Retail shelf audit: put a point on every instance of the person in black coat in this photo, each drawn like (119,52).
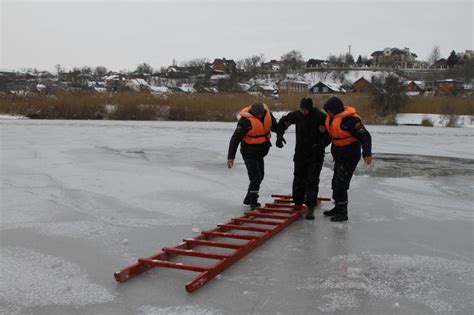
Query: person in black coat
(311,140)
(349,137)
(253,133)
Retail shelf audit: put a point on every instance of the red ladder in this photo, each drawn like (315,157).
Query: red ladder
(267,221)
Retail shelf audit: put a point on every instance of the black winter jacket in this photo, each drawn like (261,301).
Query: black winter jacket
(310,141)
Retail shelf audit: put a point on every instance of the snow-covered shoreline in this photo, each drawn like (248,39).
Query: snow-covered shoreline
(437,120)
(415,119)
(12,117)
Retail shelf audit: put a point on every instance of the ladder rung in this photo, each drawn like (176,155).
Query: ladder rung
(274,210)
(245,220)
(193,253)
(289,197)
(173,265)
(243,228)
(266,216)
(231,235)
(281,205)
(282,196)
(283,200)
(195,242)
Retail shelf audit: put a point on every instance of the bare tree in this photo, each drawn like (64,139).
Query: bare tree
(198,63)
(332,58)
(163,69)
(388,97)
(349,59)
(251,64)
(144,68)
(86,70)
(434,55)
(100,71)
(294,59)
(59,69)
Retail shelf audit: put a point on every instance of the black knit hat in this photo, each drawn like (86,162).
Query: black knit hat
(307,103)
(334,105)
(257,109)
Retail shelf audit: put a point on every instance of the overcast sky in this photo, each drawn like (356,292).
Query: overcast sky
(122,34)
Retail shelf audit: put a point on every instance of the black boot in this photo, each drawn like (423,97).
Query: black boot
(310,213)
(253,201)
(247,199)
(332,212)
(341,215)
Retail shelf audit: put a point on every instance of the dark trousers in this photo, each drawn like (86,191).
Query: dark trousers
(256,172)
(341,180)
(306,181)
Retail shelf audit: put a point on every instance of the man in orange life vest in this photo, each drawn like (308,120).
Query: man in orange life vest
(253,131)
(348,135)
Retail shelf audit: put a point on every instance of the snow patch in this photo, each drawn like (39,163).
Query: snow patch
(12,117)
(176,310)
(32,279)
(420,279)
(466,121)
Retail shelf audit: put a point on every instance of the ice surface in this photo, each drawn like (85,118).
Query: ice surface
(73,191)
(30,278)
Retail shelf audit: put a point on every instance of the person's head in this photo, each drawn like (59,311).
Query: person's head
(257,110)
(306,106)
(333,106)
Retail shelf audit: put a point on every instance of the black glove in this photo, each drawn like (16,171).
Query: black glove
(280,142)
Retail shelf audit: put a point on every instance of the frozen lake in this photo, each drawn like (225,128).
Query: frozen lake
(82,199)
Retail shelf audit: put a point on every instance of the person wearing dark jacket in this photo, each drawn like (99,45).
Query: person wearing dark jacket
(253,132)
(349,136)
(311,140)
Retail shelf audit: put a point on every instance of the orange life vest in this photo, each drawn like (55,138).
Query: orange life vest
(260,131)
(340,137)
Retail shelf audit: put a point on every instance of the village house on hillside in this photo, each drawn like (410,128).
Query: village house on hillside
(292,86)
(440,64)
(221,66)
(138,85)
(326,88)
(394,58)
(175,72)
(361,85)
(115,81)
(414,86)
(260,89)
(449,87)
(272,65)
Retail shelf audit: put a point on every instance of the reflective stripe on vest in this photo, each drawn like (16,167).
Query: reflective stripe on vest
(340,137)
(260,131)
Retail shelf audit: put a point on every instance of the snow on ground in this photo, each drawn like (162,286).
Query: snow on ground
(81,199)
(465,121)
(12,117)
